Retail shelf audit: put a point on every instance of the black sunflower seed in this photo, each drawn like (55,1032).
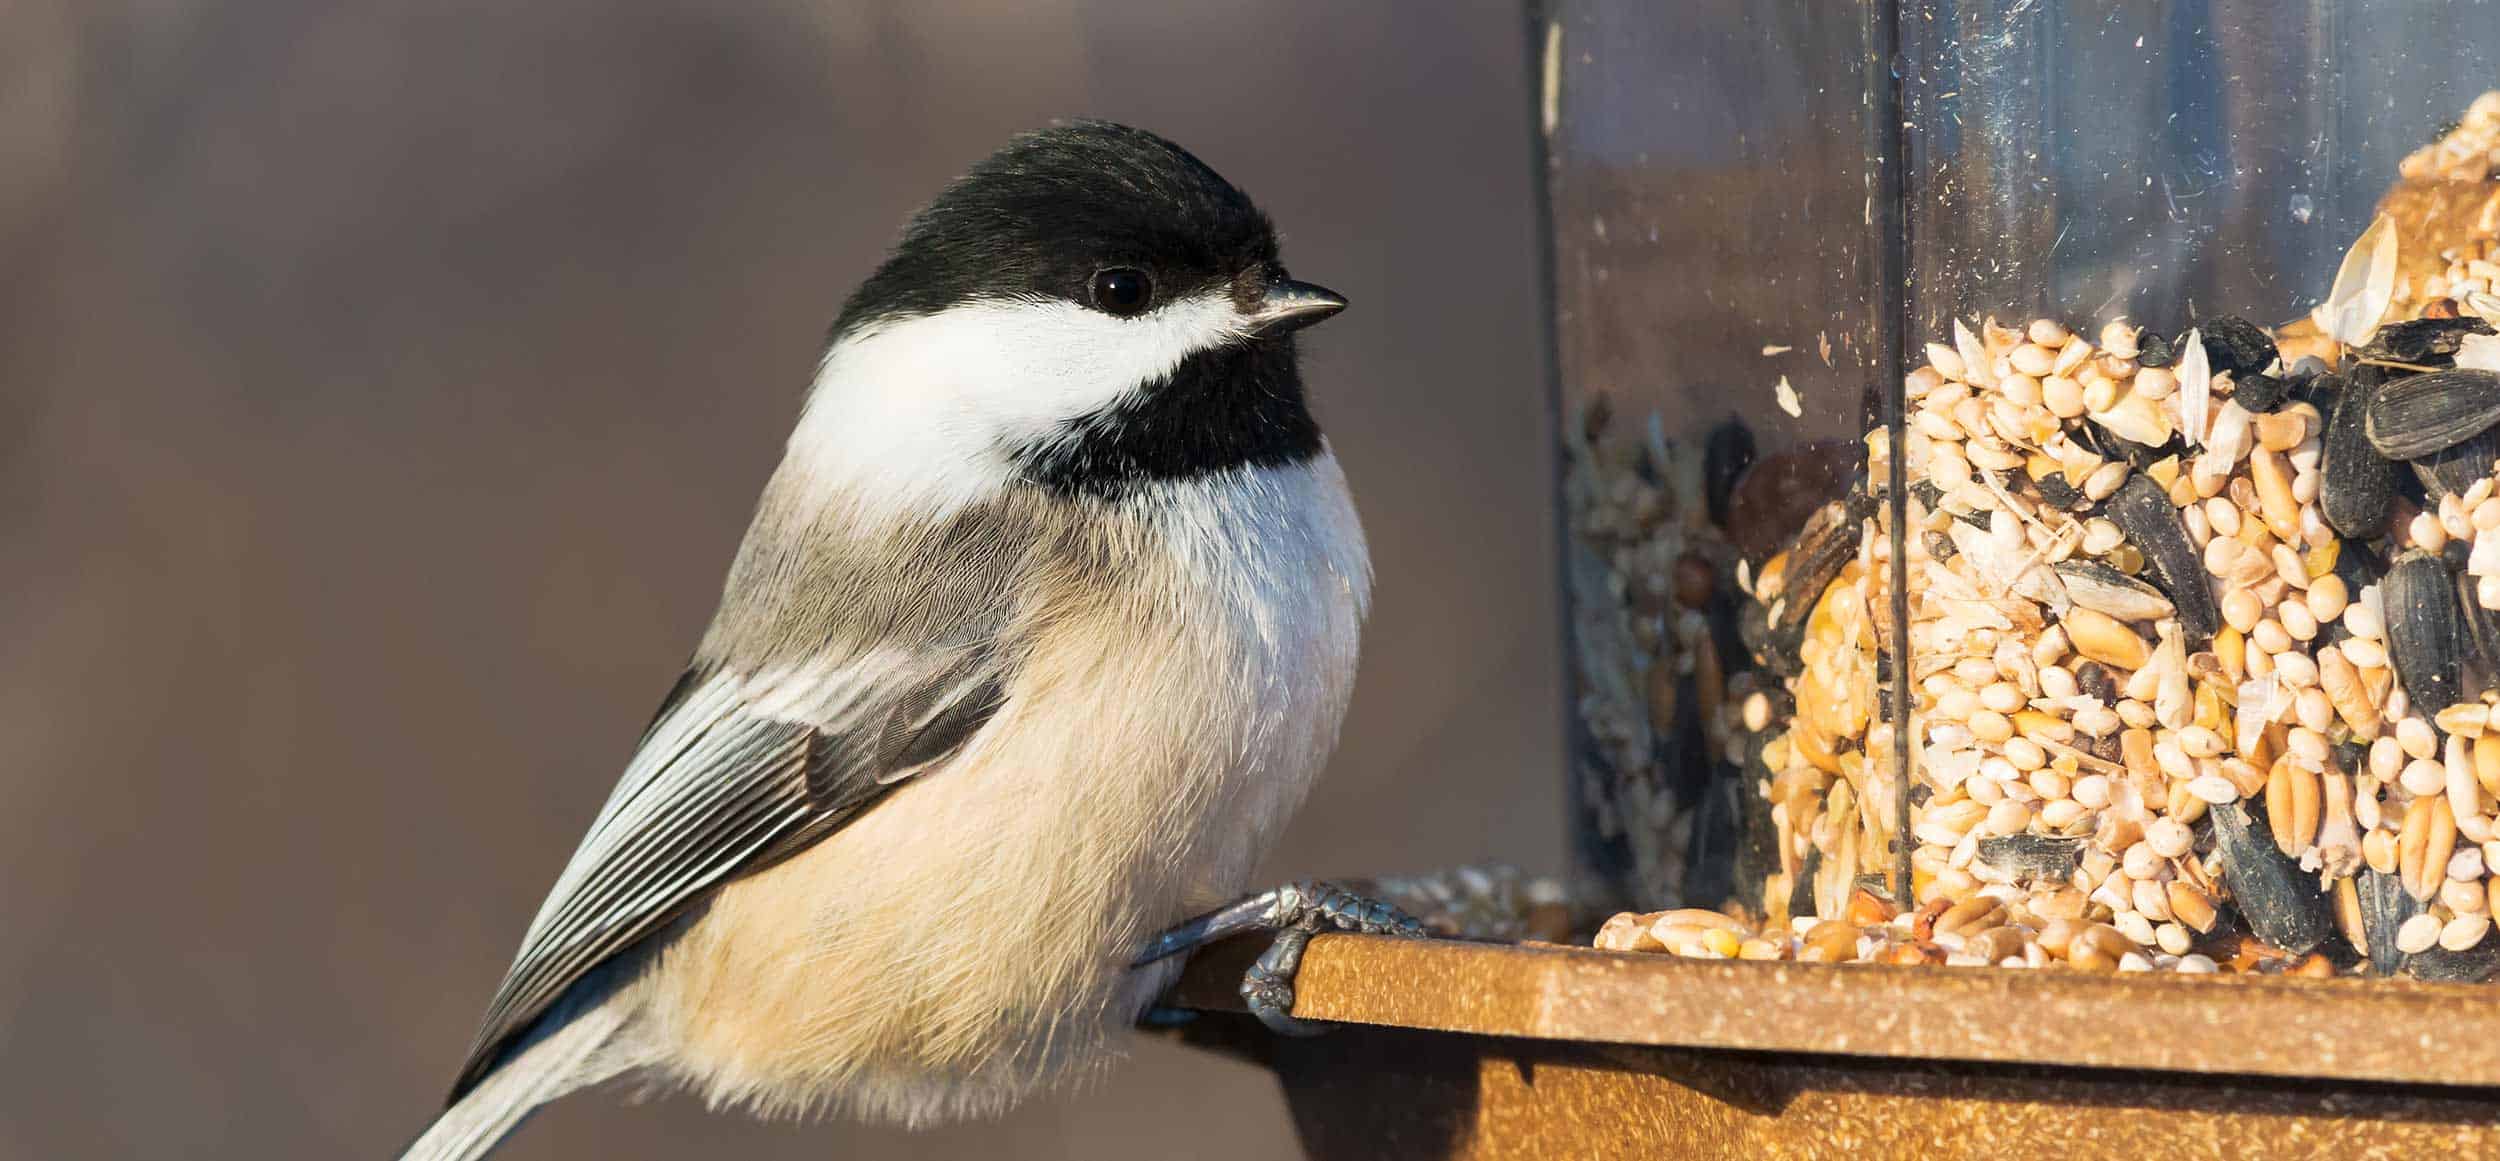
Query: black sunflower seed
(2142,510)
(2471,966)
(2026,857)
(1822,548)
(2359,566)
(2422,629)
(2054,489)
(2357,485)
(2420,414)
(2236,345)
(2479,650)
(2280,902)
(2385,905)
(2093,438)
(2313,384)
(2152,350)
(2423,340)
(2258,391)
(2452,470)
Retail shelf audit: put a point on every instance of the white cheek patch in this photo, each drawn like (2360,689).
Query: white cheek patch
(922,413)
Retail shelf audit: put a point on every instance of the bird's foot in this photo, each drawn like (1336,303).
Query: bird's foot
(1295,912)
(1300,911)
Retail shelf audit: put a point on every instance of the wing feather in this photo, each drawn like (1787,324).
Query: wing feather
(722,787)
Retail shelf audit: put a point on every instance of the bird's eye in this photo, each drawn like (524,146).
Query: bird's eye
(1123,291)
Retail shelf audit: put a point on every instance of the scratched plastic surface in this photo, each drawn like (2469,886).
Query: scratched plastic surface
(1717,171)
(1746,191)
(2165,159)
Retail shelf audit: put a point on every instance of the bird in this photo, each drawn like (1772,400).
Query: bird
(1041,630)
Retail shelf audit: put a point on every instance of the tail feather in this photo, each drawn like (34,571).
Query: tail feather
(562,1054)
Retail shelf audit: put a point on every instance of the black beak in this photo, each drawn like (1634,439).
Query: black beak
(1291,306)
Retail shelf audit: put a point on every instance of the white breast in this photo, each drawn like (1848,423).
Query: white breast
(1275,560)
(966,940)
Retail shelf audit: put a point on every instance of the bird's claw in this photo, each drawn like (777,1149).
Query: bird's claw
(1299,911)
(1267,988)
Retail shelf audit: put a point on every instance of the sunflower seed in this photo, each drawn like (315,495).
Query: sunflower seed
(2143,511)
(2423,340)
(2031,857)
(2451,470)
(2103,589)
(2385,909)
(2471,966)
(2479,647)
(2422,629)
(2236,345)
(2357,490)
(2421,414)
(2281,903)
(2261,393)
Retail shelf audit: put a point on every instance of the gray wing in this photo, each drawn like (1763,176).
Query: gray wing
(725,782)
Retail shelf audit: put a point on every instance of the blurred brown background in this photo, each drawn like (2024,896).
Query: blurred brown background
(384,384)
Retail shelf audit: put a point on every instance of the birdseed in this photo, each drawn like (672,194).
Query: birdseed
(2191,666)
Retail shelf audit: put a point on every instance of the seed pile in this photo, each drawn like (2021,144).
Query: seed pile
(2451,209)
(2469,152)
(1976,932)
(2203,648)
(1652,705)
(1487,901)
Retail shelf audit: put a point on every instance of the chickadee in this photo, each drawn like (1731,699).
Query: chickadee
(1040,632)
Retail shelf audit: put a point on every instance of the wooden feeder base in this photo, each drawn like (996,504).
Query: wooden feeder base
(1398,1094)
(1381,1092)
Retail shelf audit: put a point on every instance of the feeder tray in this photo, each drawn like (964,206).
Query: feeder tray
(1483,1052)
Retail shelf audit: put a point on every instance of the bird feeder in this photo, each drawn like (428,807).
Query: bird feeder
(2031,474)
